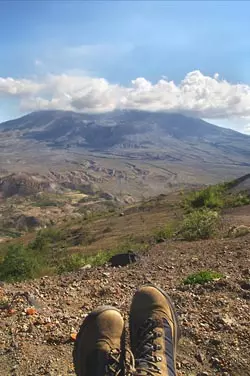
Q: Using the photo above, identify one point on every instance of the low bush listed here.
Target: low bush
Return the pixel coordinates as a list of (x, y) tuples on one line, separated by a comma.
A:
[(45, 238), (18, 264), (236, 200), (165, 232), (46, 203), (76, 261), (216, 197), (210, 197), (199, 224), (202, 277), (71, 263)]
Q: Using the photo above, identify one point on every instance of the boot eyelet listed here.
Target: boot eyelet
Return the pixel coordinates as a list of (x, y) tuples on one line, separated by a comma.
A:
[(158, 334), (157, 347)]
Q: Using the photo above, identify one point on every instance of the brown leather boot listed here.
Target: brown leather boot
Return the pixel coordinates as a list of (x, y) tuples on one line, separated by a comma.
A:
[(99, 343), (154, 332)]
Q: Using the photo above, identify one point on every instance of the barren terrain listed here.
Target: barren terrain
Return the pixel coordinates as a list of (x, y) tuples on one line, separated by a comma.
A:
[(214, 317)]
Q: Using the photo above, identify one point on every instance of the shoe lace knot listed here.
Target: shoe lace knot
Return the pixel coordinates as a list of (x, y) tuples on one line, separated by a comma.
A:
[(146, 352)]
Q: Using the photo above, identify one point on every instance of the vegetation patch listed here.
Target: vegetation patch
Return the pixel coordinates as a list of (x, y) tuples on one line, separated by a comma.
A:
[(18, 264), (235, 200), (45, 256), (210, 197), (199, 224), (165, 232), (216, 197), (10, 233), (46, 203), (202, 277)]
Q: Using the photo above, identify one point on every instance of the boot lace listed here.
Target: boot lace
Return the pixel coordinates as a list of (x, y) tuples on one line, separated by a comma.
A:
[(129, 363), (145, 353), (113, 367)]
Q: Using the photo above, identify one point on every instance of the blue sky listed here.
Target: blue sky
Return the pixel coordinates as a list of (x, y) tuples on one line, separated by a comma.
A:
[(121, 41)]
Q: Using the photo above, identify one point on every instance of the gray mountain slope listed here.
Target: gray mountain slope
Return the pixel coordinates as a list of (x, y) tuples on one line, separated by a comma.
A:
[(155, 134)]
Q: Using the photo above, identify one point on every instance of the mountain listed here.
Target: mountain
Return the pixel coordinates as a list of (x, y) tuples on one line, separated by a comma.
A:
[(125, 129), (124, 151), (170, 136)]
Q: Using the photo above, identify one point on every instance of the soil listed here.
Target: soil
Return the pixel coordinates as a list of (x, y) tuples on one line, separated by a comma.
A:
[(214, 317)]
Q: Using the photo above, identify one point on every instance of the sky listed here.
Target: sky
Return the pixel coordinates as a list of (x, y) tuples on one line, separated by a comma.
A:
[(97, 56)]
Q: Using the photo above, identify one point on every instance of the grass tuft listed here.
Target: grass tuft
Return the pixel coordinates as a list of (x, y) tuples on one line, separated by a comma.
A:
[(202, 277)]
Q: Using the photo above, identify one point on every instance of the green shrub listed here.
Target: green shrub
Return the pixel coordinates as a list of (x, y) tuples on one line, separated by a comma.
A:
[(45, 238), (199, 224), (18, 264), (216, 197), (46, 203), (76, 261), (165, 232), (210, 197), (99, 259), (71, 263), (202, 277), (236, 200)]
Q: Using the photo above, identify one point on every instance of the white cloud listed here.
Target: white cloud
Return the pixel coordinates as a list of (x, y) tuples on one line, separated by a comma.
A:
[(196, 95), (14, 87)]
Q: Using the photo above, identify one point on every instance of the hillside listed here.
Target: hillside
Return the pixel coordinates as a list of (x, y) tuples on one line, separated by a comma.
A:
[(214, 317), (77, 241)]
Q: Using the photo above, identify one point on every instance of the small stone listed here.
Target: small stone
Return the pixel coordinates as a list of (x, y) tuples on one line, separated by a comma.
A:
[(31, 311), (87, 266), (106, 274), (185, 363), (73, 336), (245, 285), (199, 357)]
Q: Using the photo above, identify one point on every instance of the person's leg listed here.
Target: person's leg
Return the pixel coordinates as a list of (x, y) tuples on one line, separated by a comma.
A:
[(154, 332), (98, 346)]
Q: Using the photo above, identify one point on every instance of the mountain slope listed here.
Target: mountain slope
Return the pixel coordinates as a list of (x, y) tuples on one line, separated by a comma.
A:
[(137, 128)]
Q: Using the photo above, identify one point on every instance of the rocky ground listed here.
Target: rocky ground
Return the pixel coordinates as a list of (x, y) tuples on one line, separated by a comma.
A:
[(39, 319)]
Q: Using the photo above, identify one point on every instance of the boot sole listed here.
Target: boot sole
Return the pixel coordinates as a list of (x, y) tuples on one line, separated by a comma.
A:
[(94, 313)]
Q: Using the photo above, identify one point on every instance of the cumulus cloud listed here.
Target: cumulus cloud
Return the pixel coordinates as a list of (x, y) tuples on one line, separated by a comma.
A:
[(196, 95), (22, 87)]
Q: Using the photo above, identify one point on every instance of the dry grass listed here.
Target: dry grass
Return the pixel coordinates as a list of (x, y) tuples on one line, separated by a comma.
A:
[(110, 230)]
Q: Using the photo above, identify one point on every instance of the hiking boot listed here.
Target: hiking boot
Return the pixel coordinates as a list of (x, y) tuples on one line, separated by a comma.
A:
[(154, 332), (99, 343)]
